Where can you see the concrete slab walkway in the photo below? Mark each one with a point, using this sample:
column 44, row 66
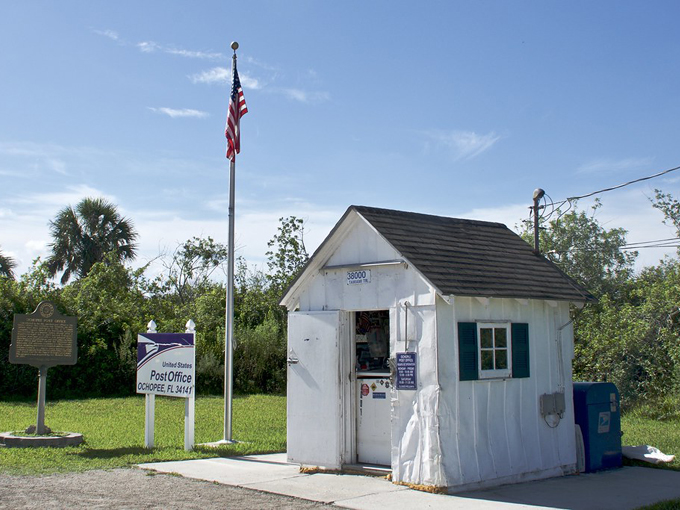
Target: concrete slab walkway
column 621, row 489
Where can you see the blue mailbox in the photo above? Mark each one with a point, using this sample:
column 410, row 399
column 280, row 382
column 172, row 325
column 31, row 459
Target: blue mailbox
column 598, row 412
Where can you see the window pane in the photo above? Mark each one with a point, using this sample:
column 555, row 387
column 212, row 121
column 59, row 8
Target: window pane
column 501, row 337
column 501, row 360
column 487, row 360
column 486, row 335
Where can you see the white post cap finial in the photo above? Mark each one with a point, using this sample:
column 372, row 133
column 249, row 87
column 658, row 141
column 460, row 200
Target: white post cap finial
column 191, row 326
column 151, row 327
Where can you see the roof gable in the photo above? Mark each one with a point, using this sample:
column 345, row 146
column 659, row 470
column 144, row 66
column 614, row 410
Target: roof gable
column 458, row 257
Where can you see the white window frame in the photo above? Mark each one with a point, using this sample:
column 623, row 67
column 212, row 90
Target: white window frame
column 503, row 373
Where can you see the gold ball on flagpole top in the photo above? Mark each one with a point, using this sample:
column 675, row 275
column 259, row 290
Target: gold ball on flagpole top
column 234, row 46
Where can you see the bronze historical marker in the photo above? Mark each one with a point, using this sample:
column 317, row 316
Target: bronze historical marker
column 44, row 338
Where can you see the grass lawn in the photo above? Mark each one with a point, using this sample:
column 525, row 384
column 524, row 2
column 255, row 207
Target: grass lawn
column 113, row 429
column 643, row 426
column 638, row 428
column 114, row 432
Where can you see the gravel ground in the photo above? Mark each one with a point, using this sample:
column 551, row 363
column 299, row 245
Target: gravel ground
column 135, row 488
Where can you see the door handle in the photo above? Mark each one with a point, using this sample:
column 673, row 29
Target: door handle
column 292, row 360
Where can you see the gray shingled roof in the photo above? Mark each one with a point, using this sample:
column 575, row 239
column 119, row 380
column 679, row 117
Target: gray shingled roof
column 472, row 258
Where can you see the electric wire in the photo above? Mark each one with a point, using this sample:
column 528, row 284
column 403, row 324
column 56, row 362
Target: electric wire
column 673, row 239
column 626, row 184
column 555, row 206
column 572, row 200
column 661, row 243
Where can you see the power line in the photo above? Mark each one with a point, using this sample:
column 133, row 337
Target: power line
column 570, row 200
column 673, row 239
column 626, row 184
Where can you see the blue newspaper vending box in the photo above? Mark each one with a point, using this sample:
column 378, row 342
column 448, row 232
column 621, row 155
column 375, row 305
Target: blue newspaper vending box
column 598, row 413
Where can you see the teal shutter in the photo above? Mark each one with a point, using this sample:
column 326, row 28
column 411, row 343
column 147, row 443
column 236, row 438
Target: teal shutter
column 520, row 350
column 467, row 351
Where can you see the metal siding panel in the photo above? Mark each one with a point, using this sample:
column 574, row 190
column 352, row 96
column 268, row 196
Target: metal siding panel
column 498, row 439
column 485, row 461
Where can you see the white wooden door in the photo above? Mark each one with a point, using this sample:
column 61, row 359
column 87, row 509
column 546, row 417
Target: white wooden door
column 373, row 421
column 314, row 394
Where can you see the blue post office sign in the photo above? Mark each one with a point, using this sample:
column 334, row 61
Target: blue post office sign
column 407, row 371
column 166, row 364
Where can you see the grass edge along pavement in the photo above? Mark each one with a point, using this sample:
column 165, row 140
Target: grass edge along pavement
column 113, row 429
column 114, row 433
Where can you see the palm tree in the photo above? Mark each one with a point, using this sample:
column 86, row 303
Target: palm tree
column 85, row 235
column 7, row 264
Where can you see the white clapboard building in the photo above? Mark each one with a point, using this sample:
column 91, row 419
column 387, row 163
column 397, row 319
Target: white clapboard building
column 437, row 347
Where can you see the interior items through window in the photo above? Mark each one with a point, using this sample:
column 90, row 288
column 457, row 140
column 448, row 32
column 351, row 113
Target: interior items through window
column 372, row 339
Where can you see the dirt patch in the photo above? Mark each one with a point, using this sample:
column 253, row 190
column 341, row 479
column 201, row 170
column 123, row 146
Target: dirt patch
column 135, row 488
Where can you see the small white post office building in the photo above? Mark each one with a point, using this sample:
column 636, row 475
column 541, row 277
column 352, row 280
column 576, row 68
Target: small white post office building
column 438, row 347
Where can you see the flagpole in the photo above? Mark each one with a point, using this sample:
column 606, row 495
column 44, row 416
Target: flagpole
column 229, row 326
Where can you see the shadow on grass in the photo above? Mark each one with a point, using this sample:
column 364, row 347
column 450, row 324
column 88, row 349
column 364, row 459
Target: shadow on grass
column 673, row 466
column 230, row 451
column 112, row 453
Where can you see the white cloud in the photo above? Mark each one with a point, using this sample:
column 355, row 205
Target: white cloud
column 214, row 75
column 45, row 202
column 111, row 34
column 248, row 82
column 152, row 46
column 148, row 46
column 260, row 64
column 255, row 225
column 222, row 75
column 24, row 222
column 28, row 160
column 194, row 54
column 58, row 166
column 304, row 96
column 464, row 144
column 608, row 166
column 185, row 112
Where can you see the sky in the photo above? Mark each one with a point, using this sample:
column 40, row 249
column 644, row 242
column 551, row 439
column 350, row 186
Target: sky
column 453, row 108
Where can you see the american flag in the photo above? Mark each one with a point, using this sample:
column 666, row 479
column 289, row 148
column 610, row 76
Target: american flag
column 237, row 108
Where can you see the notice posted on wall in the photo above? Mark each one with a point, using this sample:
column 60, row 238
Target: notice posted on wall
column 166, row 364
column 407, row 371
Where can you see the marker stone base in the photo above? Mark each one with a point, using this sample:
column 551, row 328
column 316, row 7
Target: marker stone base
column 10, row 440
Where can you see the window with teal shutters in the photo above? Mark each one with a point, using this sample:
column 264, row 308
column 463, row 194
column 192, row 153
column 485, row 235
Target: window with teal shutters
column 520, row 350
column 467, row 351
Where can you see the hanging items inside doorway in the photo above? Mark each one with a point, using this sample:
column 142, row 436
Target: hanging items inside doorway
column 372, row 341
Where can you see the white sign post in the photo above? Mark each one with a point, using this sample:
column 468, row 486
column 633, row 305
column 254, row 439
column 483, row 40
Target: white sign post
column 166, row 365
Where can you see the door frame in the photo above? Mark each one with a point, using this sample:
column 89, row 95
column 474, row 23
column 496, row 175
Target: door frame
column 349, row 381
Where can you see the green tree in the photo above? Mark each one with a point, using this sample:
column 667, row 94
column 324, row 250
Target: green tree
column 585, row 250
column 670, row 208
column 633, row 342
column 287, row 254
column 192, row 265
column 7, row 265
column 84, row 235
column 111, row 310
column 285, row 259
